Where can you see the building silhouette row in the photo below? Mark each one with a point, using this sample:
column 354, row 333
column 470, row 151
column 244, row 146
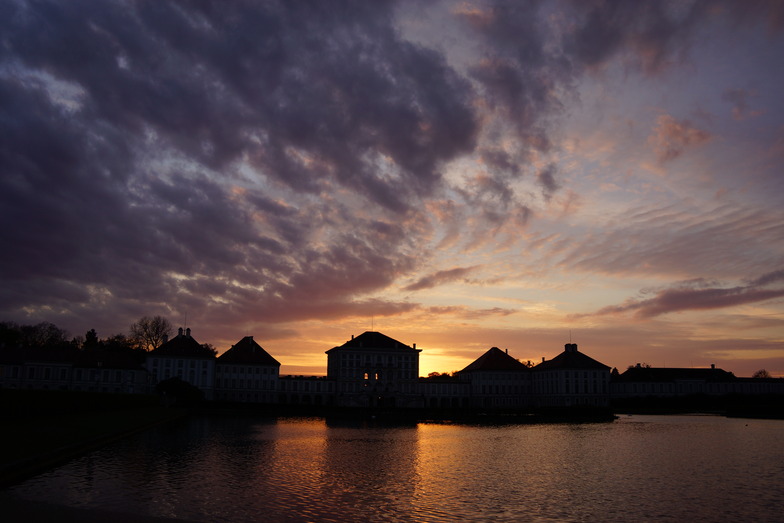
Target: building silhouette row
column 369, row 370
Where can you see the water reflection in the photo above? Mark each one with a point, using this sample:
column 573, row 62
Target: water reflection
column 247, row 469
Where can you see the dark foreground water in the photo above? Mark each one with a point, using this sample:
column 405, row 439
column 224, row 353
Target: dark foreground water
column 675, row 468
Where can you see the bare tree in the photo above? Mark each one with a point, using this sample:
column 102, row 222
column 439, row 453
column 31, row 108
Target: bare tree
column 762, row 373
column 149, row 333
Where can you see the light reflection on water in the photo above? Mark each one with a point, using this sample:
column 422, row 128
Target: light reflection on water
column 243, row 469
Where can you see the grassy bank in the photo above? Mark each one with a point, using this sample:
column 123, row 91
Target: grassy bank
column 45, row 428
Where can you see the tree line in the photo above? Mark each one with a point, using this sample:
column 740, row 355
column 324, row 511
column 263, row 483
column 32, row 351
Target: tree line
column 144, row 335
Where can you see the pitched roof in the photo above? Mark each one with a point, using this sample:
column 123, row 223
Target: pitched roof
column 571, row 358
column 183, row 345
column 247, row 352
column 495, row 360
column 370, row 340
column 659, row 374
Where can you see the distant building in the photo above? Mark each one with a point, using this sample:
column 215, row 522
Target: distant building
column 571, row 379
column 369, row 370
column 37, row 368
column 66, row 368
column 642, row 381
column 247, row 373
column 107, row 371
column 183, row 357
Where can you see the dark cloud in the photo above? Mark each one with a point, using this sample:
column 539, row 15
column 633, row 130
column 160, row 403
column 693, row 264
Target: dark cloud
column 129, row 131
column 698, row 295
column 649, row 34
column 546, row 179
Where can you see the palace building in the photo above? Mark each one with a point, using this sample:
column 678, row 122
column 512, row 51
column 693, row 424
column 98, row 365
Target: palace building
column 371, row 370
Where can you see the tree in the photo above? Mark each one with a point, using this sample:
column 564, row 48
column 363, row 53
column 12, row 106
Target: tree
column 90, row 340
column 762, row 373
column 43, row 334
column 149, row 333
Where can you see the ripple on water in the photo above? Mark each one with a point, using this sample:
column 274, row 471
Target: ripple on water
column 238, row 470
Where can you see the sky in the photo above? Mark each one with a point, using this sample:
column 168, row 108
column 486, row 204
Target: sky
column 455, row 174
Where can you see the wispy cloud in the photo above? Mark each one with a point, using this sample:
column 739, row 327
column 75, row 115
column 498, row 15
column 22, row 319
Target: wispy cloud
column 439, row 278
column 671, row 137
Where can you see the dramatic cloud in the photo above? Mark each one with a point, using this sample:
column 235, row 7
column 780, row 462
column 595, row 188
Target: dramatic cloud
column 174, row 146
column 294, row 168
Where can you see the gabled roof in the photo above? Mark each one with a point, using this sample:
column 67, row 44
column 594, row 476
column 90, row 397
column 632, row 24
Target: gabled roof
column 247, row 352
column 571, row 358
column 370, row 340
column 183, row 345
column 660, row 374
column 495, row 360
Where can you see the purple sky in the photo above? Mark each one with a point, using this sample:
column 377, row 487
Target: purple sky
column 458, row 175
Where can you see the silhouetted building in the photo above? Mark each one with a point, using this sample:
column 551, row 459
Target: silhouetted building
column 571, row 379
column 641, row 381
column 246, row 373
column 108, row 371
column 183, row 357
column 497, row 380
column 37, row 368
column 374, row 370
column 66, row 368
column 370, row 370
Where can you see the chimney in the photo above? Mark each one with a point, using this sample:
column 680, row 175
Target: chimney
column 713, row 365
column 570, row 347
column 188, row 332
column 507, row 351
column 179, row 331
column 542, row 359
column 352, row 336
column 415, row 345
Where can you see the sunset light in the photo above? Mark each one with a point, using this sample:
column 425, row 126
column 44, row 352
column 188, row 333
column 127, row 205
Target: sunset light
column 458, row 175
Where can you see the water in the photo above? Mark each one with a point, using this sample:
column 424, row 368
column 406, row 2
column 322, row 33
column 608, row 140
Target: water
column 653, row 468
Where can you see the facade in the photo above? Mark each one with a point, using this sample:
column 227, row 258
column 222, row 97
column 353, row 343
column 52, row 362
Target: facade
column 184, row 358
column 369, row 370
column 657, row 382
column 497, row 380
column 66, row 368
column 571, row 379
column 374, row 370
column 246, row 373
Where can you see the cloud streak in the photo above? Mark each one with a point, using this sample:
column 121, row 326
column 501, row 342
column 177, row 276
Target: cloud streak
column 440, row 278
column 698, row 295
